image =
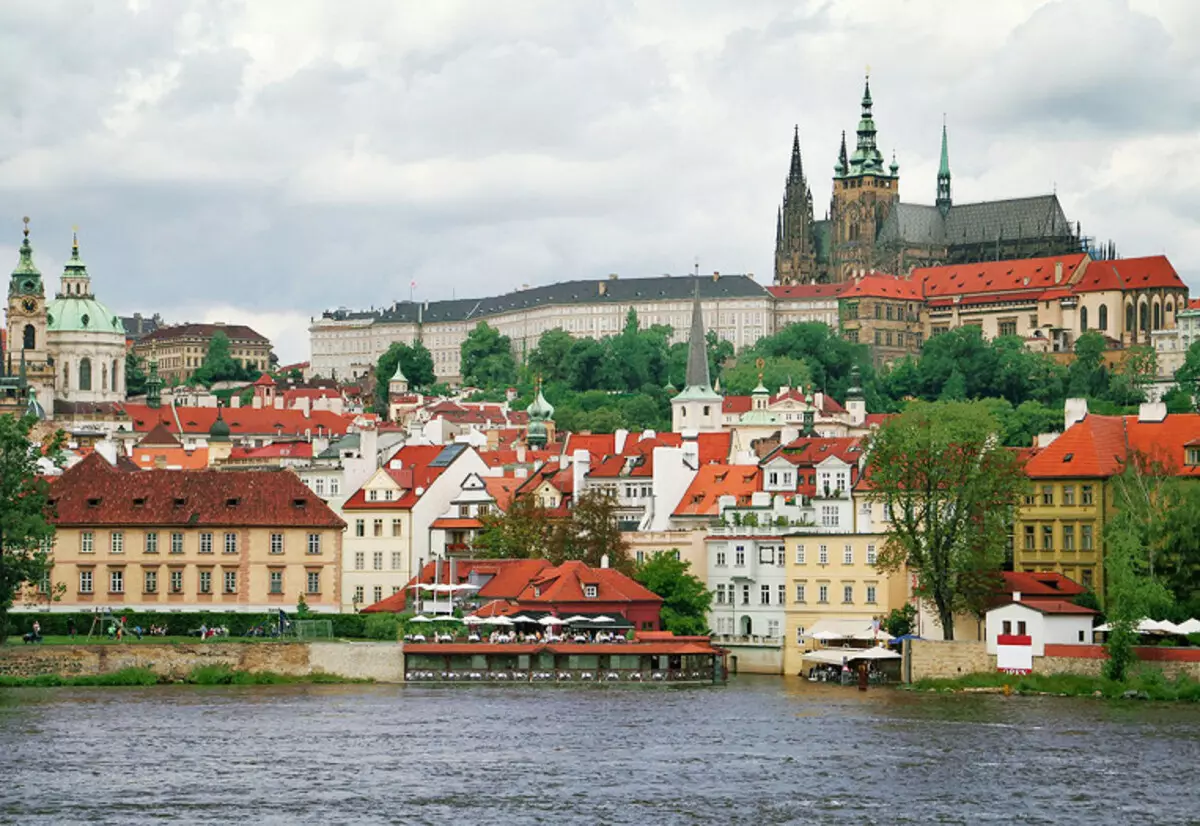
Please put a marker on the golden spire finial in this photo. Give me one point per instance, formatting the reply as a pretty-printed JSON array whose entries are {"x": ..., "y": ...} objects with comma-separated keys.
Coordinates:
[
  {"x": 26, "y": 222},
  {"x": 75, "y": 238},
  {"x": 868, "y": 71}
]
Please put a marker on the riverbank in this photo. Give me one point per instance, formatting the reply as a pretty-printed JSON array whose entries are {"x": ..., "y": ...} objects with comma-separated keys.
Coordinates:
[
  {"x": 1144, "y": 685},
  {"x": 202, "y": 675}
]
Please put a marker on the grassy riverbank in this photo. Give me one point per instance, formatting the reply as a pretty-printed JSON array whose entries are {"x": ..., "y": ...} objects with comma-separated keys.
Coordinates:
[
  {"x": 1144, "y": 685},
  {"x": 201, "y": 675}
]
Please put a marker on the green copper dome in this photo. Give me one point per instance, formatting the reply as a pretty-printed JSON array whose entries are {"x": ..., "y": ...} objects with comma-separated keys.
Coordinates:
[
  {"x": 541, "y": 410},
  {"x": 219, "y": 432},
  {"x": 79, "y": 314}
]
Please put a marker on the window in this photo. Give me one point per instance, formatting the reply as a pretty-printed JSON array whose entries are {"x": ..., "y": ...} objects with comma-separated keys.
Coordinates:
[
  {"x": 764, "y": 595},
  {"x": 720, "y": 559},
  {"x": 870, "y": 594},
  {"x": 360, "y": 560},
  {"x": 86, "y": 540},
  {"x": 85, "y": 581},
  {"x": 319, "y": 486},
  {"x": 176, "y": 542},
  {"x": 799, "y": 554},
  {"x": 847, "y": 593},
  {"x": 85, "y": 372},
  {"x": 206, "y": 543},
  {"x": 721, "y": 593},
  {"x": 335, "y": 487},
  {"x": 152, "y": 542},
  {"x": 1030, "y": 538},
  {"x": 397, "y": 560},
  {"x": 766, "y": 555},
  {"x": 1007, "y": 628},
  {"x": 206, "y": 582},
  {"x": 377, "y": 560},
  {"x": 822, "y": 593},
  {"x": 377, "y": 527},
  {"x": 1021, "y": 627},
  {"x": 1085, "y": 537},
  {"x": 231, "y": 543},
  {"x": 397, "y": 526},
  {"x": 314, "y": 582},
  {"x": 745, "y": 595},
  {"x": 314, "y": 543},
  {"x": 1103, "y": 322},
  {"x": 360, "y": 527},
  {"x": 1086, "y": 494},
  {"x": 116, "y": 581},
  {"x": 739, "y": 555},
  {"x": 231, "y": 582},
  {"x": 1047, "y": 537},
  {"x": 1047, "y": 494},
  {"x": 1085, "y": 578},
  {"x": 276, "y": 580},
  {"x": 1030, "y": 498},
  {"x": 848, "y": 555},
  {"x": 276, "y": 543},
  {"x": 829, "y": 516},
  {"x": 151, "y": 583},
  {"x": 116, "y": 542},
  {"x": 372, "y": 496},
  {"x": 871, "y": 555},
  {"x": 782, "y": 594},
  {"x": 377, "y": 592},
  {"x": 590, "y": 591},
  {"x": 879, "y": 311},
  {"x": 781, "y": 557},
  {"x": 822, "y": 554},
  {"x": 799, "y": 592},
  {"x": 176, "y": 582},
  {"x": 1008, "y": 327},
  {"x": 1068, "y": 539},
  {"x": 358, "y": 594}
]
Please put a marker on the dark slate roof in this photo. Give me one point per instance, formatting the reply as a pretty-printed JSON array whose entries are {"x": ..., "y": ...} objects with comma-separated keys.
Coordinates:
[
  {"x": 1040, "y": 216},
  {"x": 620, "y": 291},
  {"x": 137, "y": 325}
]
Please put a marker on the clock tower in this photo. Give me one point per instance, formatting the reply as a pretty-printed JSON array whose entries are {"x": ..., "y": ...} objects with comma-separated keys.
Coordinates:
[{"x": 27, "y": 349}]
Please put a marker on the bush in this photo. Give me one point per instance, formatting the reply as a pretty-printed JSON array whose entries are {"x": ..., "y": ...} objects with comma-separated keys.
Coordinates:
[{"x": 383, "y": 627}]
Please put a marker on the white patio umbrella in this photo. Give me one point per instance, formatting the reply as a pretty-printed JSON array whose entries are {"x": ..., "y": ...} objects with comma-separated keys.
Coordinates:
[
  {"x": 827, "y": 635},
  {"x": 421, "y": 586},
  {"x": 421, "y": 619},
  {"x": 552, "y": 621},
  {"x": 871, "y": 634},
  {"x": 443, "y": 589},
  {"x": 603, "y": 619},
  {"x": 446, "y": 618},
  {"x": 577, "y": 618},
  {"x": 497, "y": 621},
  {"x": 473, "y": 620},
  {"x": 1168, "y": 627},
  {"x": 1191, "y": 626},
  {"x": 466, "y": 586},
  {"x": 875, "y": 654},
  {"x": 1149, "y": 626},
  {"x": 522, "y": 618}
]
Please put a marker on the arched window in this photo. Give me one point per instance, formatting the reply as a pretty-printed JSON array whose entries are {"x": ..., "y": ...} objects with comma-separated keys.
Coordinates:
[
  {"x": 115, "y": 386},
  {"x": 1130, "y": 319},
  {"x": 1083, "y": 319},
  {"x": 1103, "y": 324},
  {"x": 30, "y": 337},
  {"x": 1143, "y": 317},
  {"x": 103, "y": 376},
  {"x": 85, "y": 374},
  {"x": 1157, "y": 316},
  {"x": 66, "y": 375}
]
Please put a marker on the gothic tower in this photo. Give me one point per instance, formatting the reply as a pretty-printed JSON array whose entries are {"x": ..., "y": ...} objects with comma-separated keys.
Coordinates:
[
  {"x": 795, "y": 252},
  {"x": 943, "y": 178},
  {"x": 864, "y": 191},
  {"x": 27, "y": 323},
  {"x": 698, "y": 406}
]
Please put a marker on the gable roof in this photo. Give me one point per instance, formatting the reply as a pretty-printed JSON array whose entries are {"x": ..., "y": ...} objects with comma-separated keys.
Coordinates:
[
  {"x": 879, "y": 285},
  {"x": 808, "y": 292},
  {"x": 419, "y": 466},
  {"x": 235, "y": 332},
  {"x": 502, "y": 489},
  {"x": 498, "y": 578},
  {"x": 1091, "y": 448},
  {"x": 713, "y": 481},
  {"x": 1149, "y": 272},
  {"x": 241, "y": 420},
  {"x": 1041, "y": 585},
  {"x": 566, "y": 582},
  {"x": 1033, "y": 275},
  {"x": 159, "y": 436},
  {"x": 93, "y": 492}
]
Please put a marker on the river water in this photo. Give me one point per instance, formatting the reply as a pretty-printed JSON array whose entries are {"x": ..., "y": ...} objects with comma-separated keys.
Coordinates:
[{"x": 758, "y": 751}]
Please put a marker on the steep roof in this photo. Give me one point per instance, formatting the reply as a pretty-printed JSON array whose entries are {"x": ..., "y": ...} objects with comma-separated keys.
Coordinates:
[
  {"x": 241, "y": 420},
  {"x": 95, "y": 493},
  {"x": 419, "y": 466},
  {"x": 502, "y": 489},
  {"x": 159, "y": 436},
  {"x": 1153, "y": 271},
  {"x": 235, "y": 332},
  {"x": 1034, "y": 275},
  {"x": 711, "y": 482},
  {"x": 499, "y": 578},
  {"x": 879, "y": 285},
  {"x": 1041, "y": 585},
  {"x": 1092, "y": 448},
  {"x": 1165, "y": 443},
  {"x": 808, "y": 292},
  {"x": 565, "y": 583}
]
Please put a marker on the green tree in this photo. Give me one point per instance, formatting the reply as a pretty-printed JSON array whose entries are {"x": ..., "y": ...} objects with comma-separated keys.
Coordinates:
[
  {"x": 901, "y": 621},
  {"x": 415, "y": 361},
  {"x": 551, "y": 358},
  {"x": 523, "y": 531},
  {"x": 25, "y": 531},
  {"x": 1087, "y": 375},
  {"x": 777, "y": 372},
  {"x": 219, "y": 364},
  {"x": 1140, "y": 368},
  {"x": 950, "y": 488},
  {"x": 685, "y": 599},
  {"x": 487, "y": 358},
  {"x": 592, "y": 534},
  {"x": 1187, "y": 377},
  {"x": 135, "y": 375}
]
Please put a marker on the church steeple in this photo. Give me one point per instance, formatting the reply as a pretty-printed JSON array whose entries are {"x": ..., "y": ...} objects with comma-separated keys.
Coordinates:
[
  {"x": 697, "y": 363},
  {"x": 843, "y": 165},
  {"x": 75, "y": 278},
  {"x": 26, "y": 277},
  {"x": 795, "y": 252},
  {"x": 698, "y": 407},
  {"x": 943, "y": 177},
  {"x": 866, "y": 158}
]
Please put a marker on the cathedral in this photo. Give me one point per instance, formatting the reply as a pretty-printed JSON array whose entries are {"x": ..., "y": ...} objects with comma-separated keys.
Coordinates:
[
  {"x": 868, "y": 228},
  {"x": 63, "y": 356}
]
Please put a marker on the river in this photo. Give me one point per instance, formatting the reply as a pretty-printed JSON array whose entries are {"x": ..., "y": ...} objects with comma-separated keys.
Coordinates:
[{"x": 758, "y": 751}]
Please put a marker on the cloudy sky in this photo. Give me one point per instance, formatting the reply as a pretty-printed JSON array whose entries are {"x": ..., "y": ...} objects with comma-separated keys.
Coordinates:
[{"x": 262, "y": 160}]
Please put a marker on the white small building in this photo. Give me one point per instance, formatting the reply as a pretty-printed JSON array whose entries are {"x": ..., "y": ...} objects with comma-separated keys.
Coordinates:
[{"x": 1057, "y": 622}]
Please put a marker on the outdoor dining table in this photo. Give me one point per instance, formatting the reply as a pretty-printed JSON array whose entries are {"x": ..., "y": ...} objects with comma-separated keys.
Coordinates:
[
  {"x": 580, "y": 638},
  {"x": 445, "y": 638},
  {"x": 473, "y": 638},
  {"x": 418, "y": 638}
]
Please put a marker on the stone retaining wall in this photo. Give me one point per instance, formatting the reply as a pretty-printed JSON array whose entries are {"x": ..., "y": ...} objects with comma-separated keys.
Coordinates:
[
  {"x": 938, "y": 659},
  {"x": 949, "y": 660},
  {"x": 382, "y": 662}
]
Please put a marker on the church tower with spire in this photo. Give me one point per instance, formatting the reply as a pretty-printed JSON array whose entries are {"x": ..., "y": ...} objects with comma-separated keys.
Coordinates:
[
  {"x": 795, "y": 247},
  {"x": 698, "y": 407},
  {"x": 28, "y": 351},
  {"x": 943, "y": 179},
  {"x": 864, "y": 192}
]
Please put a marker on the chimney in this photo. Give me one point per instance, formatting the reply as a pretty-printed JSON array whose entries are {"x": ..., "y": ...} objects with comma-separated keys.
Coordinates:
[
  {"x": 1152, "y": 412},
  {"x": 579, "y": 469},
  {"x": 604, "y": 561},
  {"x": 716, "y": 276},
  {"x": 256, "y": 403},
  {"x": 1058, "y": 272},
  {"x": 1016, "y": 596},
  {"x": 521, "y": 454},
  {"x": 278, "y": 403},
  {"x": 1075, "y": 410},
  {"x": 235, "y": 402},
  {"x": 619, "y": 438},
  {"x": 788, "y": 434}
]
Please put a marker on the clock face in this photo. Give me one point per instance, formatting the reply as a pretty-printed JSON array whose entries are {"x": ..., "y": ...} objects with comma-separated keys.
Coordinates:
[{"x": 30, "y": 305}]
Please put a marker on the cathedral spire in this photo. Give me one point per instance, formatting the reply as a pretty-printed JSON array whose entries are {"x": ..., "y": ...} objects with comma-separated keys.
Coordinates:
[
  {"x": 943, "y": 176},
  {"x": 26, "y": 277},
  {"x": 796, "y": 173},
  {"x": 867, "y": 157},
  {"x": 697, "y": 363},
  {"x": 843, "y": 165}
]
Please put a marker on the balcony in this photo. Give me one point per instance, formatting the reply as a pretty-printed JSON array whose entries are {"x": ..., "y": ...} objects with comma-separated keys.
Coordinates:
[
  {"x": 753, "y": 530},
  {"x": 458, "y": 548},
  {"x": 742, "y": 639}
]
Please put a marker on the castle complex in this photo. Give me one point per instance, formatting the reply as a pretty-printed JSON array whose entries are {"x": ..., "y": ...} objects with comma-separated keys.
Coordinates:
[{"x": 869, "y": 228}]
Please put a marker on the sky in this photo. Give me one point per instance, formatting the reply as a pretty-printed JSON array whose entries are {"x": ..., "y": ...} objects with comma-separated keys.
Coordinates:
[{"x": 259, "y": 161}]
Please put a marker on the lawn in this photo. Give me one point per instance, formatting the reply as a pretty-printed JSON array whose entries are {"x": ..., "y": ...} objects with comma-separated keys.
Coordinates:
[{"x": 130, "y": 639}]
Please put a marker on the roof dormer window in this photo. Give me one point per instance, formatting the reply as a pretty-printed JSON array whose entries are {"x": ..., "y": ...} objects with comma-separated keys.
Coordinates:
[{"x": 591, "y": 591}]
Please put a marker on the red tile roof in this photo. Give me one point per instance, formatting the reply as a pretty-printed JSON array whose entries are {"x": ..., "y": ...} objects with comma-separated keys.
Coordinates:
[
  {"x": 1164, "y": 443},
  {"x": 502, "y": 489},
  {"x": 95, "y": 493},
  {"x": 242, "y": 420},
  {"x": 880, "y": 285},
  {"x": 1193, "y": 304},
  {"x": 456, "y": 524},
  {"x": 1041, "y": 585},
  {"x": 159, "y": 436},
  {"x": 1055, "y": 606},
  {"x": 1153, "y": 271},
  {"x": 264, "y": 380},
  {"x": 413, "y": 475},
  {"x": 1036, "y": 274},
  {"x": 235, "y": 332},
  {"x": 275, "y": 450},
  {"x": 565, "y": 583},
  {"x": 807, "y": 291},
  {"x": 711, "y": 482},
  {"x": 1091, "y": 448},
  {"x": 503, "y": 579},
  {"x": 147, "y": 458},
  {"x": 598, "y": 445}
]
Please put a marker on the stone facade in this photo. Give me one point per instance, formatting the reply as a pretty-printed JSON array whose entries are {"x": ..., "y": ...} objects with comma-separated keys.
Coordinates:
[{"x": 948, "y": 660}]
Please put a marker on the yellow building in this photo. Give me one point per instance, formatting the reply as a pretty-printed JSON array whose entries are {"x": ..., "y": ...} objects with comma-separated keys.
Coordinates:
[
  {"x": 179, "y": 349},
  {"x": 833, "y": 577},
  {"x": 192, "y": 540}
]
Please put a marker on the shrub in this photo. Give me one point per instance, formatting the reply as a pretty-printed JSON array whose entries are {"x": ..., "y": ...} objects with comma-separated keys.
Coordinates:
[
  {"x": 383, "y": 627},
  {"x": 211, "y": 675}
]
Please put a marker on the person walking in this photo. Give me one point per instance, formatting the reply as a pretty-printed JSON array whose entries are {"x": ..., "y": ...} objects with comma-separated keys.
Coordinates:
[
  {"x": 37, "y": 631},
  {"x": 71, "y": 627}
]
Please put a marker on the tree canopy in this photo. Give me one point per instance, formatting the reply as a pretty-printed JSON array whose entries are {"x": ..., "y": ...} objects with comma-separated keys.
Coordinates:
[
  {"x": 685, "y": 599},
  {"x": 220, "y": 365},
  {"x": 487, "y": 358},
  {"x": 950, "y": 489},
  {"x": 415, "y": 361}
]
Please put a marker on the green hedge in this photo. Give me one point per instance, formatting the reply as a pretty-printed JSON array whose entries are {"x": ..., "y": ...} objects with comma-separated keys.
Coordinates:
[{"x": 180, "y": 624}]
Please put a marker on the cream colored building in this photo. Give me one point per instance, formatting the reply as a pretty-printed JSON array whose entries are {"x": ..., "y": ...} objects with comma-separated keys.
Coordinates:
[
  {"x": 187, "y": 540},
  {"x": 349, "y": 343},
  {"x": 179, "y": 349}
]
